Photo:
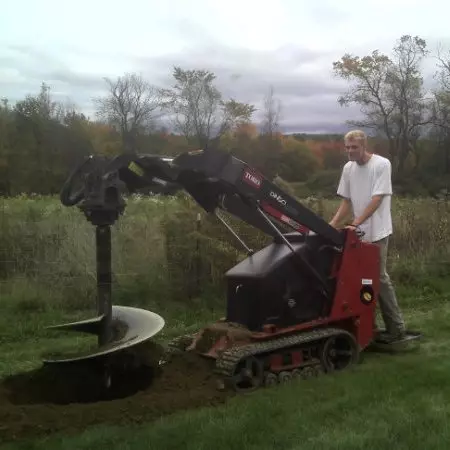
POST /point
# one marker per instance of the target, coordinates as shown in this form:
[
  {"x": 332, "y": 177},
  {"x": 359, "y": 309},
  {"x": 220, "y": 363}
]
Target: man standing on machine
[{"x": 366, "y": 189}]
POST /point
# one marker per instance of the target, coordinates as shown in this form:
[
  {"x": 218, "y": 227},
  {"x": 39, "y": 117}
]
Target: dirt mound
[{"x": 52, "y": 399}]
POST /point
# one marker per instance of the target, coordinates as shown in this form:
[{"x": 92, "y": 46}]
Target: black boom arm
[
  {"x": 214, "y": 179},
  {"x": 220, "y": 180}
]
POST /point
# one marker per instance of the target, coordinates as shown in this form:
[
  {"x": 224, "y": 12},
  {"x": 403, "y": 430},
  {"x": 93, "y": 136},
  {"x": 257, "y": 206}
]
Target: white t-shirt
[{"x": 360, "y": 183}]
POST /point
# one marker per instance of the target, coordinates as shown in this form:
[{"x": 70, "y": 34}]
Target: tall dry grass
[{"x": 162, "y": 253}]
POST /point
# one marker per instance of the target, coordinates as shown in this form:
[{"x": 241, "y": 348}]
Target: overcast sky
[{"x": 250, "y": 45}]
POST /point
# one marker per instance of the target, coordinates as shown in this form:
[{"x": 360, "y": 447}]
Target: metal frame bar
[
  {"x": 305, "y": 263},
  {"x": 230, "y": 229}
]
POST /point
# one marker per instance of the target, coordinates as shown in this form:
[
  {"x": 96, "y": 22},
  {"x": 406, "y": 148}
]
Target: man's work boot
[{"x": 390, "y": 338}]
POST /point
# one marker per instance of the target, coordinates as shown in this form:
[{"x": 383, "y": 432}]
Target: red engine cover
[{"x": 357, "y": 286}]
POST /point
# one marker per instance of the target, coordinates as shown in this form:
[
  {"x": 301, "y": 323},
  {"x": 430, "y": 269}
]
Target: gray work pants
[{"x": 387, "y": 299}]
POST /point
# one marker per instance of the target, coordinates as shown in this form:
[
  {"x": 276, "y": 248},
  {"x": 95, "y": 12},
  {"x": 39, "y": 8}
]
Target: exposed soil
[{"x": 53, "y": 399}]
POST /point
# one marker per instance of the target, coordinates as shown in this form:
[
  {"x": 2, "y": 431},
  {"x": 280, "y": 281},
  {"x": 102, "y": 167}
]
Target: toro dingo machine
[{"x": 303, "y": 304}]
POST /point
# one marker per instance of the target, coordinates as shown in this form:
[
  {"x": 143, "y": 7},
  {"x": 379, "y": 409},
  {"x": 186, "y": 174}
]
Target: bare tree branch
[
  {"x": 130, "y": 107},
  {"x": 198, "y": 109},
  {"x": 272, "y": 114}
]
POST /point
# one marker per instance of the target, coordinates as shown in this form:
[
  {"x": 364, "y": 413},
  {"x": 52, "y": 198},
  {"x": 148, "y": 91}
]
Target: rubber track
[
  {"x": 180, "y": 340},
  {"x": 228, "y": 361},
  {"x": 178, "y": 344}
]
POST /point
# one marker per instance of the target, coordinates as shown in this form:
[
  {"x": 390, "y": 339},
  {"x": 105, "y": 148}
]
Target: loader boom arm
[
  {"x": 215, "y": 180},
  {"x": 220, "y": 180}
]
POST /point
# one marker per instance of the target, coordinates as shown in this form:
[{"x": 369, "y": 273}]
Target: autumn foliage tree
[
  {"x": 391, "y": 95},
  {"x": 297, "y": 162}
]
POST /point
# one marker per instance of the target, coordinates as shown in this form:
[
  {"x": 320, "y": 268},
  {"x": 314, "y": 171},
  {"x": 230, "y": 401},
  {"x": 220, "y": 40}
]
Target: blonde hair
[{"x": 356, "y": 135}]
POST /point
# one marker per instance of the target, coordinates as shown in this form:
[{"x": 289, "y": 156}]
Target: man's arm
[
  {"x": 342, "y": 212},
  {"x": 343, "y": 191}
]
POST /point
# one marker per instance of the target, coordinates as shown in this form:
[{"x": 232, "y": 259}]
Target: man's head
[{"x": 356, "y": 146}]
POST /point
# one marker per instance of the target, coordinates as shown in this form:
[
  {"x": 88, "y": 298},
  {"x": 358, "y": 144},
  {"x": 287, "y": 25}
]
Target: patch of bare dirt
[{"x": 54, "y": 399}]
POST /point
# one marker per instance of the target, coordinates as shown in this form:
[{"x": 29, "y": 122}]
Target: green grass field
[{"x": 388, "y": 401}]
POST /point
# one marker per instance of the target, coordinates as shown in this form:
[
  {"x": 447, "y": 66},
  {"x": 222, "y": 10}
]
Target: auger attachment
[
  {"x": 118, "y": 327},
  {"x": 129, "y": 326}
]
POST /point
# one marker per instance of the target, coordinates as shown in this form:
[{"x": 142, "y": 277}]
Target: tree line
[{"x": 42, "y": 140}]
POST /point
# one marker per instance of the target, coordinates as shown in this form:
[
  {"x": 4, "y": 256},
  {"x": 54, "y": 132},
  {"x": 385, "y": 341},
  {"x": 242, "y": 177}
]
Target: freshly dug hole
[
  {"x": 131, "y": 371},
  {"x": 79, "y": 384},
  {"x": 37, "y": 403}
]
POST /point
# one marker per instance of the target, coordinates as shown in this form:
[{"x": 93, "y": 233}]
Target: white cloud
[{"x": 249, "y": 44}]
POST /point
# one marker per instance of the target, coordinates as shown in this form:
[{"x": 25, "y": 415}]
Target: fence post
[{"x": 198, "y": 268}]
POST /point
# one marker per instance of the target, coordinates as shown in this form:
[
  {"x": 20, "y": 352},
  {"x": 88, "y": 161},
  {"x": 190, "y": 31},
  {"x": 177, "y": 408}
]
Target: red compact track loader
[{"x": 304, "y": 304}]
